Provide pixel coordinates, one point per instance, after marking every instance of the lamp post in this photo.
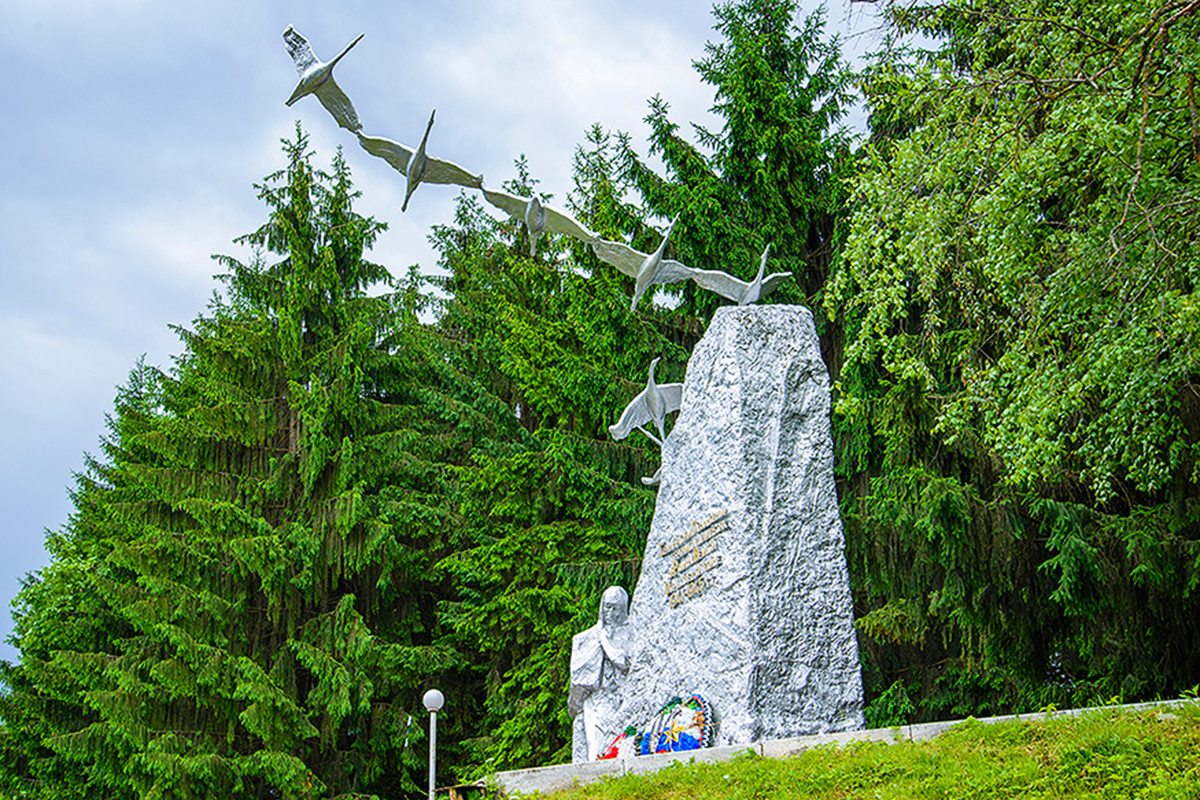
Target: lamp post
(434, 700)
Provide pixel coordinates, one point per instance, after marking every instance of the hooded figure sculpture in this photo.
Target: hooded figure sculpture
(598, 656)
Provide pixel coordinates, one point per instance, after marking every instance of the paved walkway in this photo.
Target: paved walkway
(562, 776)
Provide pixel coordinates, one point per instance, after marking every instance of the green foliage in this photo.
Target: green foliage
(1018, 418)
(775, 174)
(553, 515)
(251, 566)
(890, 709)
(326, 505)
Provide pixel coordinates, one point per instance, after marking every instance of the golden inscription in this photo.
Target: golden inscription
(693, 556)
(718, 521)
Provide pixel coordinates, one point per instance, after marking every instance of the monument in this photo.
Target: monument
(744, 596)
(741, 626)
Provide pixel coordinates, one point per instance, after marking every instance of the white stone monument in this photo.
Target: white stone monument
(744, 595)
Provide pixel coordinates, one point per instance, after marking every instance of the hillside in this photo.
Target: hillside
(1100, 753)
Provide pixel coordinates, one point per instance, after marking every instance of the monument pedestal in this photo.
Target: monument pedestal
(744, 596)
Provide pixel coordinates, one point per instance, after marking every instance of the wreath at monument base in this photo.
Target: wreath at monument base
(681, 724)
(624, 746)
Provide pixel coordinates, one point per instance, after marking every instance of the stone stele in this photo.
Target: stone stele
(744, 596)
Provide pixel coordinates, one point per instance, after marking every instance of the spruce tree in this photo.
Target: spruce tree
(776, 172)
(255, 550)
(553, 515)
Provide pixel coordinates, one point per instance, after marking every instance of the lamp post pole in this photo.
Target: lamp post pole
(434, 700)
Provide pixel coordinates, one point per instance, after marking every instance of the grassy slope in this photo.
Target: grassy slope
(1148, 754)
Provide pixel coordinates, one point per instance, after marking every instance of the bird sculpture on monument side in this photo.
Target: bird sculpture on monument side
(651, 405)
(419, 167)
(316, 77)
(538, 217)
(649, 270)
(739, 291)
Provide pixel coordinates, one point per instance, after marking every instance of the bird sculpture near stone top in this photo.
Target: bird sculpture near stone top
(651, 405)
(538, 217)
(419, 167)
(649, 269)
(316, 77)
(739, 291)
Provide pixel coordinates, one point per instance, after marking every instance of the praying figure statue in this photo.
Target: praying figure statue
(599, 658)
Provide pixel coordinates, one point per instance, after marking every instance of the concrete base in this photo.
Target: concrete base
(563, 776)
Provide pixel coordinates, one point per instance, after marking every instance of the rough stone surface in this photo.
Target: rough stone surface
(744, 595)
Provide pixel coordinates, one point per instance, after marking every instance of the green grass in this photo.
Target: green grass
(1103, 753)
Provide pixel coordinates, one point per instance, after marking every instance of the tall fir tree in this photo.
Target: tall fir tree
(255, 552)
(777, 171)
(554, 516)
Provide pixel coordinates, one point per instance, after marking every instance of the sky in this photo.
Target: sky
(137, 129)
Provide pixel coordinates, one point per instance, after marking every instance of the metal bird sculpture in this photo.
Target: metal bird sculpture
(649, 270)
(739, 291)
(316, 77)
(538, 218)
(652, 405)
(419, 167)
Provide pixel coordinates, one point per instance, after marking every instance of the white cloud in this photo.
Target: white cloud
(51, 373)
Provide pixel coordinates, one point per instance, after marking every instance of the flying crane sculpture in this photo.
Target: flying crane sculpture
(739, 291)
(538, 217)
(316, 77)
(416, 165)
(649, 269)
(651, 405)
